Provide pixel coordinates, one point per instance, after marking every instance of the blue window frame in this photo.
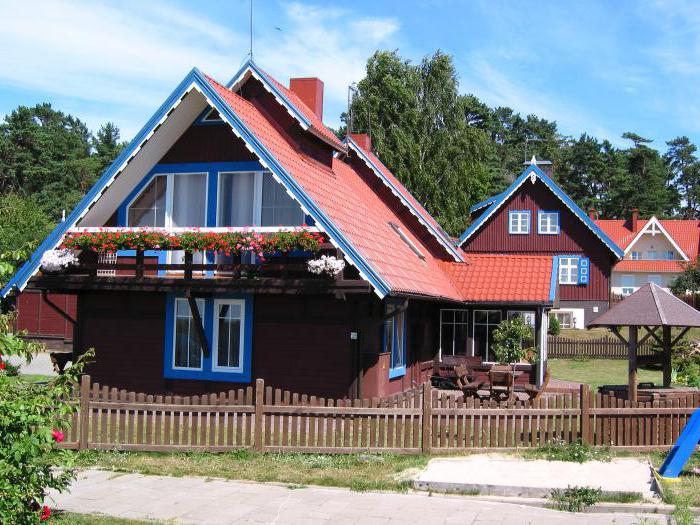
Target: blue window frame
(228, 327)
(548, 222)
(395, 339)
(519, 222)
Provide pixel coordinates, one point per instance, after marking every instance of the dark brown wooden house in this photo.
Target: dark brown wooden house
(534, 216)
(252, 158)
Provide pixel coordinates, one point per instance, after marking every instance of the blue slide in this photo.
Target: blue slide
(683, 449)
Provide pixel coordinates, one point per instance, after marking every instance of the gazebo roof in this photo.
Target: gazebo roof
(651, 305)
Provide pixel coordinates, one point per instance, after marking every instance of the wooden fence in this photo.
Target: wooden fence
(601, 348)
(419, 421)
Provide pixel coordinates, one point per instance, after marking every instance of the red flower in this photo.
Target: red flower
(58, 435)
(45, 513)
(2, 365)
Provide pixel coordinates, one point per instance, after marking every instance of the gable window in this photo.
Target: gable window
(568, 270)
(519, 222)
(395, 339)
(651, 255)
(170, 200)
(670, 255)
(255, 199)
(636, 256)
(187, 352)
(454, 325)
(228, 334)
(485, 322)
(548, 222)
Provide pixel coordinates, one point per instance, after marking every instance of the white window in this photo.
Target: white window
(229, 334)
(651, 255)
(187, 349)
(568, 270)
(548, 223)
(528, 317)
(171, 200)
(657, 280)
(670, 255)
(519, 222)
(394, 339)
(255, 199)
(627, 282)
(454, 327)
(485, 322)
(566, 319)
(636, 256)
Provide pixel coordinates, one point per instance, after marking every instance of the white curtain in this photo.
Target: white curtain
(189, 207)
(237, 199)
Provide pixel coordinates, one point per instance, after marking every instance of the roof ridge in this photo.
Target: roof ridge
(652, 287)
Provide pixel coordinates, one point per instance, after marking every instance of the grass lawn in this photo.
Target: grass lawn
(69, 518)
(597, 372)
(356, 471)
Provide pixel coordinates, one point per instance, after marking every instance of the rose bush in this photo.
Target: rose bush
(31, 419)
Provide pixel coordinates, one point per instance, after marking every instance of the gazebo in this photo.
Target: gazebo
(649, 308)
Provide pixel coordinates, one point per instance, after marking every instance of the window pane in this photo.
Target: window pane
(195, 349)
(460, 339)
(398, 346)
(229, 337)
(187, 350)
(480, 340)
(237, 199)
(148, 209)
(278, 208)
(189, 200)
(181, 340)
(447, 341)
(389, 334)
(480, 316)
(494, 317)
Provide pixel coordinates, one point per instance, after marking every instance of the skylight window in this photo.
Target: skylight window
(408, 241)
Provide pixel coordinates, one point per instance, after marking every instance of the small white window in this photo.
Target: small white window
(651, 255)
(636, 256)
(548, 223)
(519, 222)
(229, 319)
(187, 349)
(568, 270)
(408, 241)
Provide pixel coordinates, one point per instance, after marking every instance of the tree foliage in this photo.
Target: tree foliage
(688, 281)
(508, 338)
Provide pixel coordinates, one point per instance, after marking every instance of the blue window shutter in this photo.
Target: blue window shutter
(584, 270)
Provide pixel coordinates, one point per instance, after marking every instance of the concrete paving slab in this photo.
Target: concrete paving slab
(188, 500)
(503, 475)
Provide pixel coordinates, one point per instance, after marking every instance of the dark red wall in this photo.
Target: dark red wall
(208, 143)
(574, 238)
(39, 319)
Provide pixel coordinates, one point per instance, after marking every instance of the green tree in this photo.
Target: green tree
(688, 281)
(685, 171)
(107, 145)
(416, 119)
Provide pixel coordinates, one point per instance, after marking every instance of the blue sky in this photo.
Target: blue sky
(600, 67)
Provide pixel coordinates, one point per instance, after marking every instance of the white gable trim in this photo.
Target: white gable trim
(657, 224)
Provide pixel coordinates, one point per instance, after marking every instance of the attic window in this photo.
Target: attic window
(408, 241)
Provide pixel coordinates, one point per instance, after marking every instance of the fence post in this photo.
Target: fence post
(427, 438)
(585, 402)
(259, 400)
(84, 419)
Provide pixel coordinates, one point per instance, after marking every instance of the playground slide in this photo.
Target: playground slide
(683, 448)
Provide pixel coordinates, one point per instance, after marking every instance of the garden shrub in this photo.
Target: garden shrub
(32, 417)
(575, 499)
(554, 325)
(685, 363)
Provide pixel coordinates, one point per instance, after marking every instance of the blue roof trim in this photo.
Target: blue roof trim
(197, 78)
(617, 251)
(484, 203)
(19, 280)
(440, 235)
(554, 278)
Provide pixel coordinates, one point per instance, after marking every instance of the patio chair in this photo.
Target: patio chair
(535, 392)
(465, 381)
(501, 383)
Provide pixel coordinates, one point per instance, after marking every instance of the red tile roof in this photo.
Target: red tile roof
(686, 233)
(316, 122)
(502, 278)
(361, 215)
(628, 265)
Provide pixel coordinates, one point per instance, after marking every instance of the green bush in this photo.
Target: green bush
(31, 419)
(554, 325)
(558, 450)
(685, 362)
(575, 499)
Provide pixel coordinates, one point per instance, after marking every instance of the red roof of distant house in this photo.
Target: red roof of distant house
(628, 265)
(503, 278)
(686, 233)
(361, 215)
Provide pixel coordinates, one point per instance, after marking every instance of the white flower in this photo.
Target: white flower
(57, 260)
(328, 265)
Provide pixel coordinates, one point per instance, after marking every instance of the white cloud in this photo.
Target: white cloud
(131, 55)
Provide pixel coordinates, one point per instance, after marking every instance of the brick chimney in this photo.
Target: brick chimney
(634, 219)
(310, 91)
(592, 213)
(363, 140)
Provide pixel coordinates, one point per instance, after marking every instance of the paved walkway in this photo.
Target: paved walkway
(215, 501)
